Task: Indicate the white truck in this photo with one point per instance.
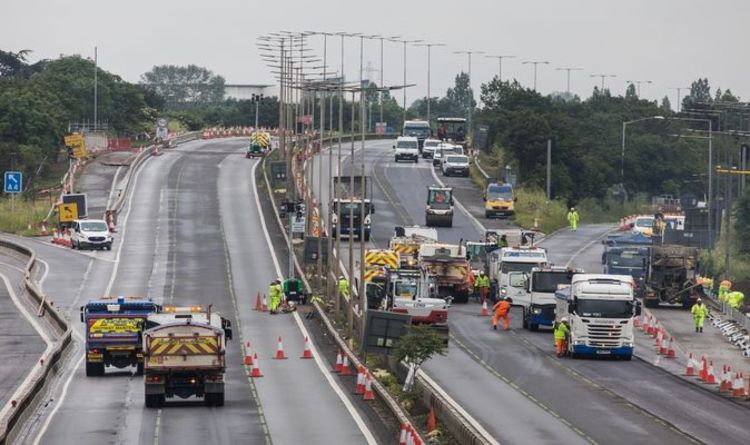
(184, 352)
(513, 259)
(538, 301)
(406, 242)
(600, 309)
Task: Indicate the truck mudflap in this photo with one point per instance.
(625, 352)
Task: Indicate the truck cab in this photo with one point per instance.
(600, 310)
(114, 327)
(626, 261)
(439, 208)
(513, 259)
(418, 129)
(538, 301)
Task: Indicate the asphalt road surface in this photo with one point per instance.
(555, 401)
(191, 235)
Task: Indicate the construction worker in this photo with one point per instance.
(274, 296)
(561, 331)
(699, 311)
(724, 287)
(343, 287)
(502, 310)
(735, 299)
(483, 282)
(573, 219)
(502, 242)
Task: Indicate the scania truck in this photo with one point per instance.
(600, 310)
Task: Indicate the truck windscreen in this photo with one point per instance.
(417, 132)
(604, 308)
(549, 281)
(507, 267)
(357, 207)
(626, 259)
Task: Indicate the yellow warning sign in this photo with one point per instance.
(184, 346)
(76, 142)
(67, 212)
(115, 325)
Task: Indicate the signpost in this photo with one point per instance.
(80, 201)
(13, 182)
(77, 143)
(67, 212)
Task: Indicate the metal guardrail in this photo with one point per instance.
(741, 318)
(10, 416)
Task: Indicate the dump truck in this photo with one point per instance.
(447, 263)
(671, 276)
(406, 241)
(185, 355)
(353, 206)
(113, 332)
(439, 208)
(626, 261)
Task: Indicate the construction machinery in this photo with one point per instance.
(452, 129)
(354, 205)
(260, 142)
(447, 263)
(113, 332)
(477, 252)
(513, 259)
(439, 209)
(185, 355)
(671, 272)
(406, 242)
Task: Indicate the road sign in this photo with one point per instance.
(13, 182)
(67, 212)
(77, 143)
(80, 200)
(298, 224)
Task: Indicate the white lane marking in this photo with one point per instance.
(112, 187)
(64, 393)
(585, 247)
(44, 275)
(485, 434)
(323, 369)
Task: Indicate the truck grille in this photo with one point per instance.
(96, 238)
(604, 335)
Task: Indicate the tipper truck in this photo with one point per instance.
(670, 276)
(354, 206)
(600, 310)
(406, 242)
(448, 264)
(113, 332)
(185, 355)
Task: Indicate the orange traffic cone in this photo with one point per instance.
(258, 303)
(485, 311)
(636, 322)
(339, 361)
(308, 352)
(670, 349)
(255, 372)
(704, 369)
(738, 387)
(345, 368)
(711, 378)
(369, 395)
(248, 357)
(725, 383)
(404, 432)
(664, 345)
(360, 381)
(280, 351)
(690, 368)
(264, 307)
(431, 420)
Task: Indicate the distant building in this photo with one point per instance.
(245, 92)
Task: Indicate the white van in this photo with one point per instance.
(92, 233)
(407, 147)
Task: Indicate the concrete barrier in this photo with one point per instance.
(26, 396)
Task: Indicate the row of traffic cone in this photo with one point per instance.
(409, 435)
(61, 238)
(251, 359)
(261, 305)
(364, 384)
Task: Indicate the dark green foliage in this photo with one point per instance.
(419, 345)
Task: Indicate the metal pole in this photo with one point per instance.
(363, 192)
(710, 183)
(549, 169)
(622, 155)
(320, 165)
(96, 87)
(381, 79)
(728, 217)
(404, 81)
(338, 172)
(350, 202)
(429, 47)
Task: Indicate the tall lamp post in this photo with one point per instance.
(568, 70)
(405, 42)
(382, 81)
(638, 85)
(535, 63)
(257, 98)
(469, 107)
(429, 48)
(500, 64)
(603, 76)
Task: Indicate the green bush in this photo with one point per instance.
(16, 217)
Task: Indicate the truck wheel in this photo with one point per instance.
(94, 369)
(627, 357)
(487, 214)
(449, 224)
(155, 400)
(139, 368)
(367, 237)
(219, 399)
(524, 321)
(650, 302)
(534, 327)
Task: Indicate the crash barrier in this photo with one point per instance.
(25, 399)
(730, 382)
(732, 322)
(379, 390)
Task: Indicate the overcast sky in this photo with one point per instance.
(670, 42)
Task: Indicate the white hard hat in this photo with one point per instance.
(564, 319)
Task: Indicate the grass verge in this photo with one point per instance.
(22, 216)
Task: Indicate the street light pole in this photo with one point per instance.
(568, 70)
(535, 63)
(382, 81)
(602, 76)
(96, 87)
(638, 85)
(469, 107)
(500, 65)
(429, 63)
(405, 42)
(679, 90)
